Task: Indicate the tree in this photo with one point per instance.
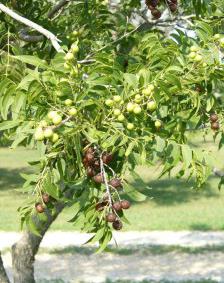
(115, 95)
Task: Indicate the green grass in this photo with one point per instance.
(171, 205)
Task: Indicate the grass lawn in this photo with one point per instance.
(172, 204)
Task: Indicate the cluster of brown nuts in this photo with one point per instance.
(40, 206)
(214, 120)
(153, 7)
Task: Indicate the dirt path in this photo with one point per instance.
(97, 268)
(183, 238)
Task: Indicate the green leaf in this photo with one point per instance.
(6, 125)
(32, 60)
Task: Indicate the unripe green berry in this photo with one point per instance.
(55, 138)
(120, 118)
(43, 123)
(158, 124)
(137, 109)
(74, 48)
(151, 105)
(117, 98)
(198, 58)
(109, 102)
(52, 114)
(130, 126)
(138, 98)
(217, 36)
(67, 66)
(192, 55)
(39, 134)
(68, 102)
(117, 112)
(48, 132)
(130, 107)
(221, 41)
(57, 120)
(73, 111)
(194, 48)
(69, 56)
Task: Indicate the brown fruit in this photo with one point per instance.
(117, 225)
(215, 126)
(100, 205)
(89, 150)
(107, 158)
(152, 3)
(125, 204)
(116, 183)
(96, 163)
(90, 172)
(46, 197)
(85, 162)
(39, 207)
(117, 206)
(111, 217)
(173, 7)
(98, 178)
(90, 158)
(214, 117)
(156, 13)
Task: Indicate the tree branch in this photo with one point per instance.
(54, 40)
(3, 276)
(57, 7)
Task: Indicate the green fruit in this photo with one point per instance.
(198, 58)
(58, 93)
(75, 33)
(39, 134)
(130, 126)
(74, 72)
(192, 55)
(158, 124)
(148, 91)
(69, 56)
(48, 132)
(137, 109)
(151, 105)
(130, 107)
(74, 48)
(117, 112)
(72, 112)
(52, 114)
(194, 48)
(204, 64)
(43, 124)
(68, 102)
(117, 98)
(217, 36)
(109, 102)
(221, 41)
(120, 118)
(55, 138)
(138, 98)
(67, 66)
(57, 120)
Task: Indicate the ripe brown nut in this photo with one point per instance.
(153, 3)
(156, 13)
(98, 178)
(107, 157)
(90, 172)
(125, 204)
(116, 183)
(173, 7)
(215, 126)
(85, 162)
(46, 197)
(117, 206)
(39, 207)
(117, 225)
(111, 217)
(214, 117)
(90, 158)
(100, 205)
(96, 164)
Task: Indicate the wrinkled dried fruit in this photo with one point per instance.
(117, 225)
(39, 207)
(117, 206)
(125, 204)
(111, 217)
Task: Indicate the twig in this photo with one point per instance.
(54, 40)
(57, 7)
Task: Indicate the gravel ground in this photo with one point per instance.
(173, 266)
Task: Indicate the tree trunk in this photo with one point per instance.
(24, 251)
(3, 276)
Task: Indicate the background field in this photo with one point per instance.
(171, 205)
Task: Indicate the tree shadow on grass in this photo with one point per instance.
(171, 191)
(11, 179)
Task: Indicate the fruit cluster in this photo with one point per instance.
(71, 63)
(214, 122)
(153, 7)
(145, 98)
(45, 129)
(40, 206)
